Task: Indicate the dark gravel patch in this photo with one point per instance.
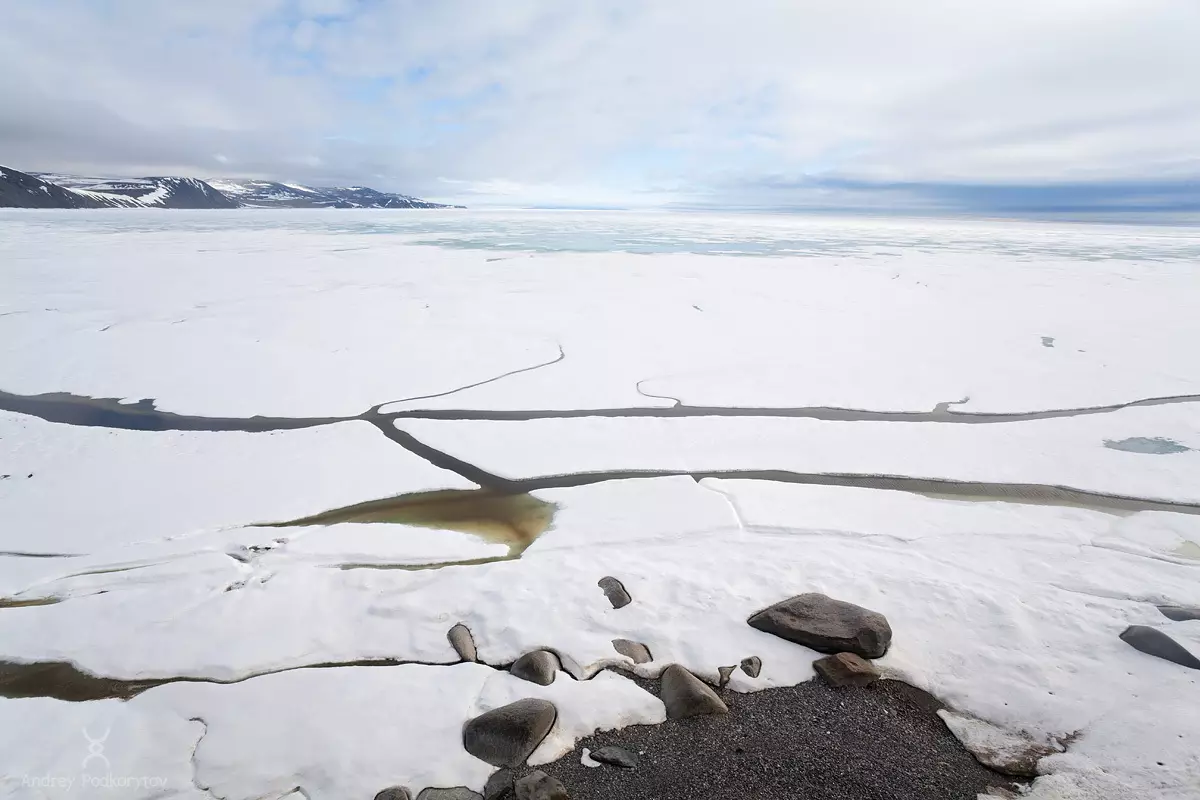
(806, 742)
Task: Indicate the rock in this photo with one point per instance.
(752, 666)
(685, 695)
(540, 667)
(500, 785)
(457, 793)
(635, 650)
(394, 793)
(725, 673)
(538, 785)
(1180, 613)
(616, 756)
(846, 669)
(1013, 754)
(505, 736)
(463, 642)
(614, 590)
(1154, 642)
(826, 625)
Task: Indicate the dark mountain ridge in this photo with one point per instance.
(48, 190)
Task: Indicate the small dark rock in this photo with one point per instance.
(1180, 613)
(539, 667)
(614, 590)
(538, 785)
(846, 669)
(457, 793)
(685, 695)
(616, 756)
(394, 793)
(752, 666)
(725, 673)
(463, 642)
(505, 736)
(500, 785)
(1154, 642)
(826, 625)
(635, 650)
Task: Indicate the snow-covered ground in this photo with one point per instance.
(162, 567)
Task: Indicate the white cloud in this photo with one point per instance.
(603, 99)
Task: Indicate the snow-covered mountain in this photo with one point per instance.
(49, 190)
(269, 194)
(43, 190)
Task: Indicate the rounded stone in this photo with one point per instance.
(826, 625)
(616, 756)
(456, 793)
(633, 650)
(752, 666)
(846, 669)
(394, 793)
(505, 736)
(538, 785)
(500, 785)
(539, 667)
(685, 695)
(614, 590)
(463, 642)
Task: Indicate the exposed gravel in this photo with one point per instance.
(807, 742)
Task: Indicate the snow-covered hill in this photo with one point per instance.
(44, 190)
(269, 194)
(50, 190)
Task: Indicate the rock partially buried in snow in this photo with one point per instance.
(538, 785)
(1180, 613)
(500, 785)
(685, 695)
(457, 793)
(394, 793)
(826, 625)
(463, 642)
(724, 674)
(616, 756)
(614, 590)
(505, 736)
(1154, 642)
(539, 667)
(1004, 751)
(846, 669)
(752, 666)
(634, 650)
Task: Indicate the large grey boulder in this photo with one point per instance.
(633, 650)
(1154, 642)
(463, 642)
(614, 590)
(505, 736)
(685, 695)
(826, 625)
(539, 667)
(394, 793)
(457, 793)
(538, 785)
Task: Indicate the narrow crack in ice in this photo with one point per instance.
(560, 357)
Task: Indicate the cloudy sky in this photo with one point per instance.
(925, 104)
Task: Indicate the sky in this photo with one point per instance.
(923, 105)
